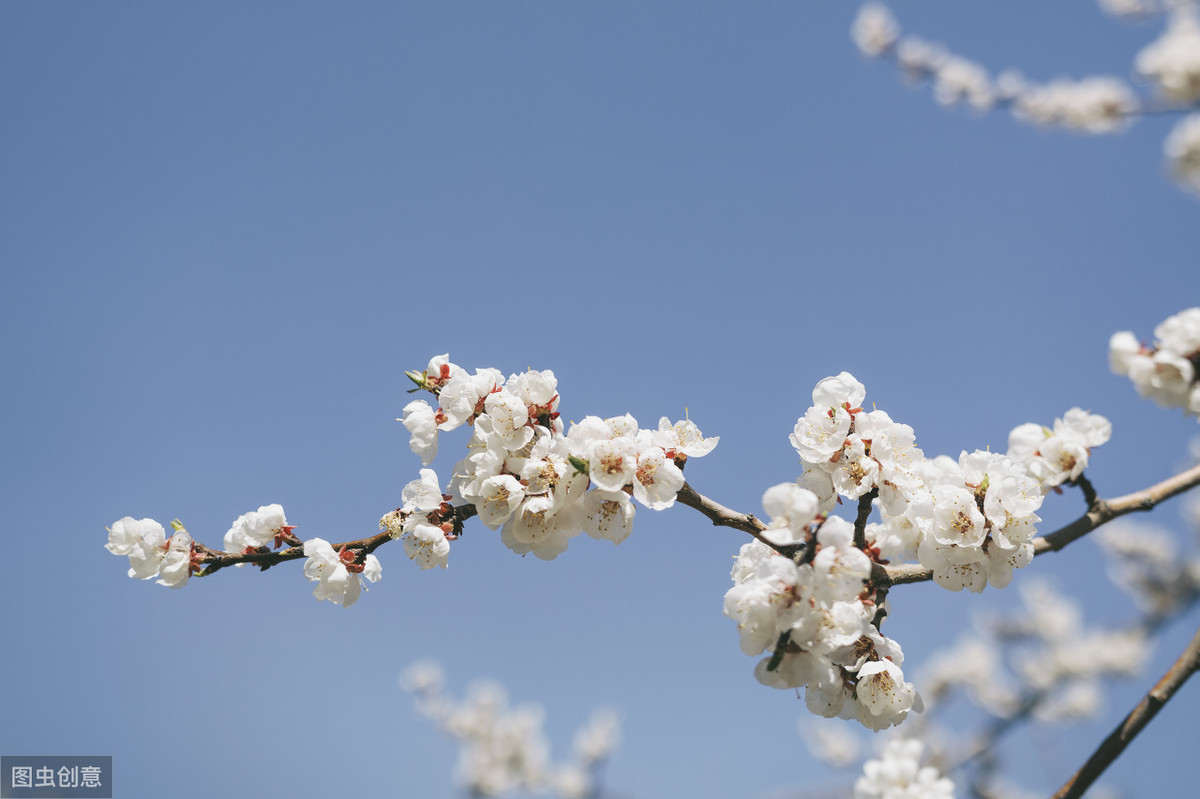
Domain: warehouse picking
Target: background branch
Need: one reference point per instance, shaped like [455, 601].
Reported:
[1137, 719]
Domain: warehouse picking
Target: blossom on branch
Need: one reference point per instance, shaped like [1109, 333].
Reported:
[258, 528]
[525, 475]
[1060, 454]
[338, 575]
[1167, 371]
[151, 554]
[142, 540]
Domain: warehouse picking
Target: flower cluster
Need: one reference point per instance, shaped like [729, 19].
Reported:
[523, 475]
[976, 516]
[504, 749]
[1168, 371]
[897, 774]
[970, 521]
[151, 553]
[1058, 455]
[816, 618]
[425, 522]
[851, 451]
[804, 591]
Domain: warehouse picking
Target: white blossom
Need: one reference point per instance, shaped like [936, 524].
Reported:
[608, 515]
[683, 437]
[421, 422]
[792, 509]
[329, 571]
[884, 698]
[426, 545]
[176, 566]
[500, 496]
[257, 528]
[143, 540]
[658, 479]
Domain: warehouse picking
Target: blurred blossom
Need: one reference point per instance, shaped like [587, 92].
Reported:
[833, 743]
[1182, 148]
[504, 749]
[874, 30]
[1172, 62]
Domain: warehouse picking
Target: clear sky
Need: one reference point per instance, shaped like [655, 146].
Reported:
[228, 229]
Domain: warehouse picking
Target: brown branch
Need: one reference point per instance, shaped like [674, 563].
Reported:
[1138, 718]
[860, 521]
[722, 516]
[1101, 512]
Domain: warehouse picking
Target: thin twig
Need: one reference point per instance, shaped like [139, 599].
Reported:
[1138, 718]
[860, 521]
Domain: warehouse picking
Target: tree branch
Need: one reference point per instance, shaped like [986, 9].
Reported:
[720, 515]
[1138, 718]
[1101, 512]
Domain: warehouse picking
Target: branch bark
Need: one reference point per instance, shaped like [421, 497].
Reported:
[720, 515]
[1138, 718]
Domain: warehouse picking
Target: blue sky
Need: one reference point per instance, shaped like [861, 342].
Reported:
[228, 229]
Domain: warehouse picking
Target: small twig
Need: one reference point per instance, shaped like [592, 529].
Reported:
[881, 585]
[781, 647]
[860, 521]
[1138, 718]
[1089, 491]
